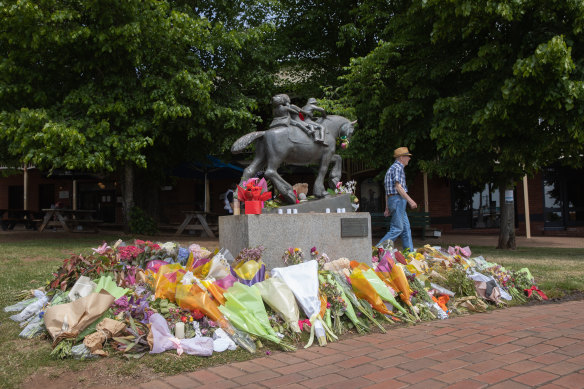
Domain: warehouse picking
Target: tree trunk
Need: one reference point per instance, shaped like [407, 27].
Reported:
[507, 224]
[128, 197]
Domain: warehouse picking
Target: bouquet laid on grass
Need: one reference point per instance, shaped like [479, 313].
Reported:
[198, 294]
[248, 267]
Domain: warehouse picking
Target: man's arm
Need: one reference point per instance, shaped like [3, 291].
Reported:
[386, 212]
[404, 194]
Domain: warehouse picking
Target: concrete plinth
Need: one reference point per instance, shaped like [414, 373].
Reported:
[336, 234]
[342, 201]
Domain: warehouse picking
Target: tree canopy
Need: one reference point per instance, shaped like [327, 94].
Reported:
[479, 90]
[95, 84]
[315, 40]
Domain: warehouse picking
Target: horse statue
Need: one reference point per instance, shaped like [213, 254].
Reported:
[289, 144]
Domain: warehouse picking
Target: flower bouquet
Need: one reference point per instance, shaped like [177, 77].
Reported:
[253, 195]
[362, 306]
[293, 256]
[336, 305]
[302, 279]
[248, 267]
[280, 298]
[245, 310]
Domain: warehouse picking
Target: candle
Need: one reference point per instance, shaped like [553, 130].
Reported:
[236, 209]
[295, 211]
[179, 330]
[289, 211]
[328, 210]
[280, 211]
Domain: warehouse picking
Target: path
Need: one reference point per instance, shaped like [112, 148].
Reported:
[519, 347]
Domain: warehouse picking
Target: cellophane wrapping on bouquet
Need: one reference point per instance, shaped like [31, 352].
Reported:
[350, 311]
[365, 291]
[108, 284]
[302, 279]
[68, 320]
[280, 298]
[166, 280]
[383, 290]
[33, 308]
[163, 339]
[249, 272]
[192, 297]
[245, 310]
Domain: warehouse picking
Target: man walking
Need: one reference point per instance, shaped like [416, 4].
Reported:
[396, 199]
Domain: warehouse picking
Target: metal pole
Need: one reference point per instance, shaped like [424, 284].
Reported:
[526, 202]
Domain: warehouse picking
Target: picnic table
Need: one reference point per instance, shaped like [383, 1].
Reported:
[11, 217]
[70, 219]
[196, 220]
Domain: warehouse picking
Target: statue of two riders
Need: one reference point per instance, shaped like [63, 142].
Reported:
[286, 114]
[296, 138]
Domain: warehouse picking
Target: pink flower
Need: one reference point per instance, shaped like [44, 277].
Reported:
[302, 323]
[101, 249]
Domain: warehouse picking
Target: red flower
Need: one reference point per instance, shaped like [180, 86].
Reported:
[183, 319]
[197, 315]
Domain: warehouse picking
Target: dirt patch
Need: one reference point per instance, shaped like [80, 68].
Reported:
[101, 373]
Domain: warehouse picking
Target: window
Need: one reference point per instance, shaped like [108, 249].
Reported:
[475, 206]
[486, 210]
[563, 196]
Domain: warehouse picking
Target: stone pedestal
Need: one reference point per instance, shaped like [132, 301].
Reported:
[336, 234]
[342, 201]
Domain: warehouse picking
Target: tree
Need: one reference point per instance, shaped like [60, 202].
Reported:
[479, 90]
[316, 40]
[101, 85]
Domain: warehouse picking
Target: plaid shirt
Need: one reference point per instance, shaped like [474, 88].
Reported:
[394, 174]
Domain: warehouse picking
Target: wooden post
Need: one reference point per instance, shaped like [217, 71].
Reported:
[74, 194]
[526, 203]
[25, 189]
[426, 206]
[207, 196]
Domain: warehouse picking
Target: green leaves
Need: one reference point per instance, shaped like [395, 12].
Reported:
[93, 84]
[479, 90]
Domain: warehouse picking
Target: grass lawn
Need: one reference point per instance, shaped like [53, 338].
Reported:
[28, 264]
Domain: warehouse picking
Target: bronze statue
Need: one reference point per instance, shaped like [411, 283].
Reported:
[287, 140]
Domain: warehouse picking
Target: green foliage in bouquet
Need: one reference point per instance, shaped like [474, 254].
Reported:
[459, 283]
[142, 223]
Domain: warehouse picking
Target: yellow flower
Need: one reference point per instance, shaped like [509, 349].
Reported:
[296, 250]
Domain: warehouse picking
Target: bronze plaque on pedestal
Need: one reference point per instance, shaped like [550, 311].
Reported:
[353, 228]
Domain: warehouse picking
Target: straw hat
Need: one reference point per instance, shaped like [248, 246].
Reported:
[401, 151]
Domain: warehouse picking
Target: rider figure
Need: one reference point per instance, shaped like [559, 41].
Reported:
[308, 110]
[288, 114]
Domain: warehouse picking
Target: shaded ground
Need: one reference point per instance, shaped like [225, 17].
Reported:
[444, 240]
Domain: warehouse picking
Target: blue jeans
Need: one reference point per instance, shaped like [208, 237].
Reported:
[399, 225]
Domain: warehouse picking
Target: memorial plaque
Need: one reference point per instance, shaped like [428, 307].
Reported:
[352, 228]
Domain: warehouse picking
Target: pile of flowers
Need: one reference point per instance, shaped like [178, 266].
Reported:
[195, 301]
